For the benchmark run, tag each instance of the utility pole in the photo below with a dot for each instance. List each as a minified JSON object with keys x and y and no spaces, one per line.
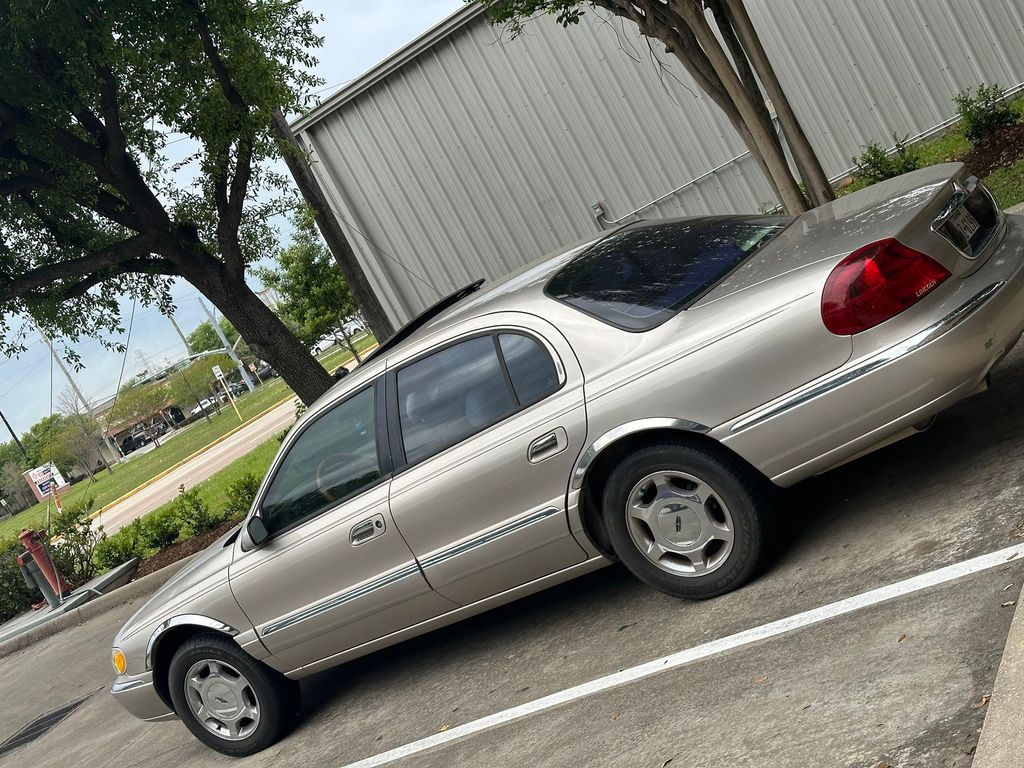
{"x":181,"y":335}
{"x":227,"y":347}
{"x":81,"y":398}
{"x":333,"y":235}
{"x":17,"y":442}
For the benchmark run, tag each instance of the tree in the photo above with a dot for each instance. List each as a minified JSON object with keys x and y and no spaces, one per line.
{"x":13,"y":486}
{"x":39,"y":436}
{"x":138,"y":404}
{"x":86,"y":433}
{"x":204,"y":338}
{"x":190,"y":385}
{"x":732,"y":75}
{"x":75,"y":445}
{"x":92,"y":202}
{"x":313,"y":293}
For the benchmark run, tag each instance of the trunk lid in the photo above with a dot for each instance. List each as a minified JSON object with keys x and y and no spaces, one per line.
{"x":927,"y":210}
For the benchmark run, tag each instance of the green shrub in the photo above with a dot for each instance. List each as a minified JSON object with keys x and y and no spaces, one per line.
{"x":76,"y":541}
{"x":193,"y":513}
{"x":160,"y":528}
{"x":876,"y":164}
{"x":240,"y":496}
{"x":121,"y":547}
{"x":15,"y":596}
{"x":983,"y":111}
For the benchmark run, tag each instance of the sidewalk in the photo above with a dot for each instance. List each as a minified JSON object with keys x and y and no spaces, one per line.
{"x":1002,"y":736}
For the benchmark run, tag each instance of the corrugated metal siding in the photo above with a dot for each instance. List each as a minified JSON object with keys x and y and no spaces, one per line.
{"x":479,"y":154}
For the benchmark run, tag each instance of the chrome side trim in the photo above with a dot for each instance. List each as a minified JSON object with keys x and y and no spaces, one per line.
{"x":623,"y":430}
{"x":127,"y":685}
{"x":516,"y":525}
{"x":387,"y":579}
{"x":840,"y":378}
{"x":184,"y":619}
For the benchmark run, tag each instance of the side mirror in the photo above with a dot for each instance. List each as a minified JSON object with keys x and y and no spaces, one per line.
{"x":255,"y":531}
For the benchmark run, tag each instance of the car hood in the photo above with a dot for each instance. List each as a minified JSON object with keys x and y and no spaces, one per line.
{"x":208,"y":567}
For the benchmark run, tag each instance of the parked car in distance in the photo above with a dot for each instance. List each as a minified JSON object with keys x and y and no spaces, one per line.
{"x":265,"y":371}
{"x":636,"y":398}
{"x":204,"y":404}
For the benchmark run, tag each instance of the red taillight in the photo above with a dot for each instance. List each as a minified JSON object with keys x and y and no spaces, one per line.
{"x":877,"y":282}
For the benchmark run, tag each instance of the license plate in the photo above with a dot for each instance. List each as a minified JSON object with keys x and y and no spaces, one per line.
{"x":965,"y":222}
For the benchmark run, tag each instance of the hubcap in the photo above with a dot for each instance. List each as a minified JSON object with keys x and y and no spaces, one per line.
{"x":222,"y":699}
{"x":680,"y":523}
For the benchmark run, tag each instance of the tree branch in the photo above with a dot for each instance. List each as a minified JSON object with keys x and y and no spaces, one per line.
{"x":134,"y":248}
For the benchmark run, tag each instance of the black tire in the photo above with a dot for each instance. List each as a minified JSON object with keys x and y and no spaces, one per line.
{"x":277,"y":696}
{"x":748,"y":496}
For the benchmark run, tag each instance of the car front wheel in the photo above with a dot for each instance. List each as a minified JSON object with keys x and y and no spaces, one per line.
{"x":228,"y":700}
{"x":688,"y":519}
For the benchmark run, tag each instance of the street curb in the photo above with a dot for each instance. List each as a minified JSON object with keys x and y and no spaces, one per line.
{"x":143,"y":587}
{"x":163,"y":473}
{"x":1002,"y":734}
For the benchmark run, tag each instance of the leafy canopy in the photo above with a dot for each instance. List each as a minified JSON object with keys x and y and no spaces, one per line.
{"x":313,"y":293}
{"x":132,"y":141}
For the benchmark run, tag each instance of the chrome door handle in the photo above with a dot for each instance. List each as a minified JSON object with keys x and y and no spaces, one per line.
{"x":366,"y":530}
{"x":545,"y":446}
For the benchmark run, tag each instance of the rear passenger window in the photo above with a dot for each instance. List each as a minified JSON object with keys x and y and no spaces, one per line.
{"x":450,"y":395}
{"x":529,"y":366}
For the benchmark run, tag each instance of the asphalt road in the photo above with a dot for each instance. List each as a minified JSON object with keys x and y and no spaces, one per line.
{"x":199,"y":468}
{"x":899,"y":682}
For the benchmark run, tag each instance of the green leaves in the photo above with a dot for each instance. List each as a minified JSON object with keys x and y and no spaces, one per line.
{"x":313,"y":293}
{"x":133,"y":140}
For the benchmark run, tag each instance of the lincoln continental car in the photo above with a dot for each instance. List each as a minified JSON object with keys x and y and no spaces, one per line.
{"x":638,"y":398}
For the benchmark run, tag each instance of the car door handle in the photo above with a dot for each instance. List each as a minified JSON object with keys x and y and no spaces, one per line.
{"x":366,"y":530}
{"x":546,"y":446}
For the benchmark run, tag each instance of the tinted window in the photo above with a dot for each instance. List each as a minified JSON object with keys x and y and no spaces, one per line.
{"x":640,"y":277}
{"x":451,"y":395}
{"x":333,"y":458}
{"x":529,"y":366}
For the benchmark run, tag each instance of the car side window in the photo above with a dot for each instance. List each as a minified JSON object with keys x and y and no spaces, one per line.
{"x":333,"y":458}
{"x":530,"y":367}
{"x":450,"y":395}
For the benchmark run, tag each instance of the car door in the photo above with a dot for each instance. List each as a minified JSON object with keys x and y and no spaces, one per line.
{"x":486,"y":432}
{"x":335,"y":572}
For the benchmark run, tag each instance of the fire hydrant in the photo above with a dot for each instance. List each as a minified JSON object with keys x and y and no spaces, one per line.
{"x":34,"y":545}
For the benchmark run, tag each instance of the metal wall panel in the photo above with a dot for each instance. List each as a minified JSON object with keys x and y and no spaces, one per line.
{"x":467,"y":155}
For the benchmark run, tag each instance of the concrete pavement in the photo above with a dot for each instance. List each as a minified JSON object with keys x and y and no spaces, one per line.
{"x":201,"y":467}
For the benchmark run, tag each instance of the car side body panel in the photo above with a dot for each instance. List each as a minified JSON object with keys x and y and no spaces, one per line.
{"x":481,"y":517}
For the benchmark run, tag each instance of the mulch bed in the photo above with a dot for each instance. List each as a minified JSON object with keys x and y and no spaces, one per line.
{"x":183,"y":549}
{"x":1000,"y":149}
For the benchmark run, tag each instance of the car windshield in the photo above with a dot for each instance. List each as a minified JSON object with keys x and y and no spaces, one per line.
{"x":640,"y":277}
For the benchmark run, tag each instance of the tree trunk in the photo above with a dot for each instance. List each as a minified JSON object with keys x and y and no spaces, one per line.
{"x":693,"y":15}
{"x":334,"y":236}
{"x":814,"y":178}
{"x":263,"y":330}
{"x":349,"y":344}
{"x":88,"y":470}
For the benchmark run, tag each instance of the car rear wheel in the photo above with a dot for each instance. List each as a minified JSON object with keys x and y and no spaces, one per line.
{"x":689,"y":520}
{"x":228,"y":700}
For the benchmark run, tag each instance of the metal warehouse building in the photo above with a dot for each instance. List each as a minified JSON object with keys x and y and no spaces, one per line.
{"x":467,"y":154}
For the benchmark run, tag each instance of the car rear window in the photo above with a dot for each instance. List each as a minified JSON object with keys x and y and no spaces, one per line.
{"x":638,"y":278}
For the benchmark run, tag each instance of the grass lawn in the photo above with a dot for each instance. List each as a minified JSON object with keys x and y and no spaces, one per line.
{"x":213,"y":489}
{"x":141,"y":467}
{"x":1006,"y":184}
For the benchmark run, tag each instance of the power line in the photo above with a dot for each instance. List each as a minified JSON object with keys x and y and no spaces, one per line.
{"x":384,"y":251}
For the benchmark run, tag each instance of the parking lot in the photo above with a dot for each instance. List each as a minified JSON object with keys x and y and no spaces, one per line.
{"x":898,"y":681}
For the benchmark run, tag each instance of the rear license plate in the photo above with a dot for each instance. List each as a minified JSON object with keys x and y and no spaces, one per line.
{"x":965,"y":222}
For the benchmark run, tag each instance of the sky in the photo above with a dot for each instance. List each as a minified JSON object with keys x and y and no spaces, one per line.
{"x":357,"y":37}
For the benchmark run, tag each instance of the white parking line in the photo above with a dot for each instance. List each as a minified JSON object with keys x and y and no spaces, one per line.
{"x":703,"y":651}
